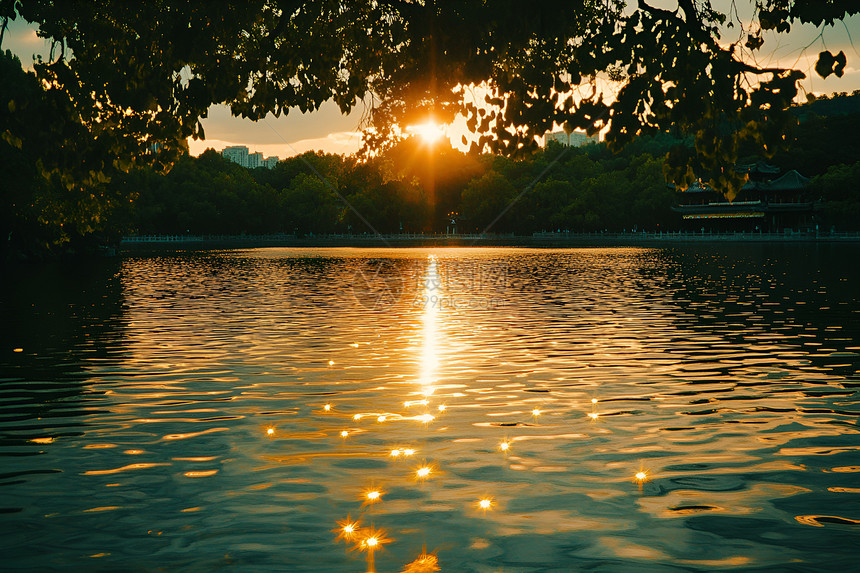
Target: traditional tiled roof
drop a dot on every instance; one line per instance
(791, 181)
(759, 167)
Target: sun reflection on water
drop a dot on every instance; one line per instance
(431, 297)
(485, 392)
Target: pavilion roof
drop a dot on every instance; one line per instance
(791, 181)
(759, 167)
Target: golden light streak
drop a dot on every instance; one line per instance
(395, 453)
(270, 431)
(17, 350)
(423, 472)
(380, 419)
(485, 503)
(429, 355)
(536, 412)
(442, 407)
(331, 362)
(504, 446)
(357, 417)
(344, 433)
(425, 418)
(409, 452)
(593, 415)
(327, 407)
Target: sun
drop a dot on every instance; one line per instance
(428, 131)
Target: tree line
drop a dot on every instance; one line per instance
(415, 188)
(69, 186)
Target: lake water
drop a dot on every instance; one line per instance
(186, 412)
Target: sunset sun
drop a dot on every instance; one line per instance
(429, 132)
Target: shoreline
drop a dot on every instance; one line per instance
(547, 240)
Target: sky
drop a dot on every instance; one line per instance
(330, 131)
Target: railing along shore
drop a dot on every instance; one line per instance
(465, 239)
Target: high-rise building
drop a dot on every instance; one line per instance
(574, 138)
(255, 160)
(236, 154)
(241, 155)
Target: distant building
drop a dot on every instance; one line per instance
(574, 138)
(241, 155)
(254, 160)
(236, 154)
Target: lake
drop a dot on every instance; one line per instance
(477, 410)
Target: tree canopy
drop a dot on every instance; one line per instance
(128, 83)
(513, 69)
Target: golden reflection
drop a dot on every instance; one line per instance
(380, 419)
(395, 453)
(344, 433)
(485, 503)
(593, 414)
(504, 446)
(536, 412)
(442, 407)
(270, 431)
(426, 563)
(423, 472)
(641, 477)
(331, 362)
(409, 452)
(357, 417)
(372, 495)
(347, 529)
(327, 407)
(425, 418)
(372, 540)
(200, 474)
(431, 298)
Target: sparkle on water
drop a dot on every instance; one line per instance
(137, 423)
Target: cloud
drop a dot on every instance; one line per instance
(345, 142)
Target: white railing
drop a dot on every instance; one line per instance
(787, 235)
